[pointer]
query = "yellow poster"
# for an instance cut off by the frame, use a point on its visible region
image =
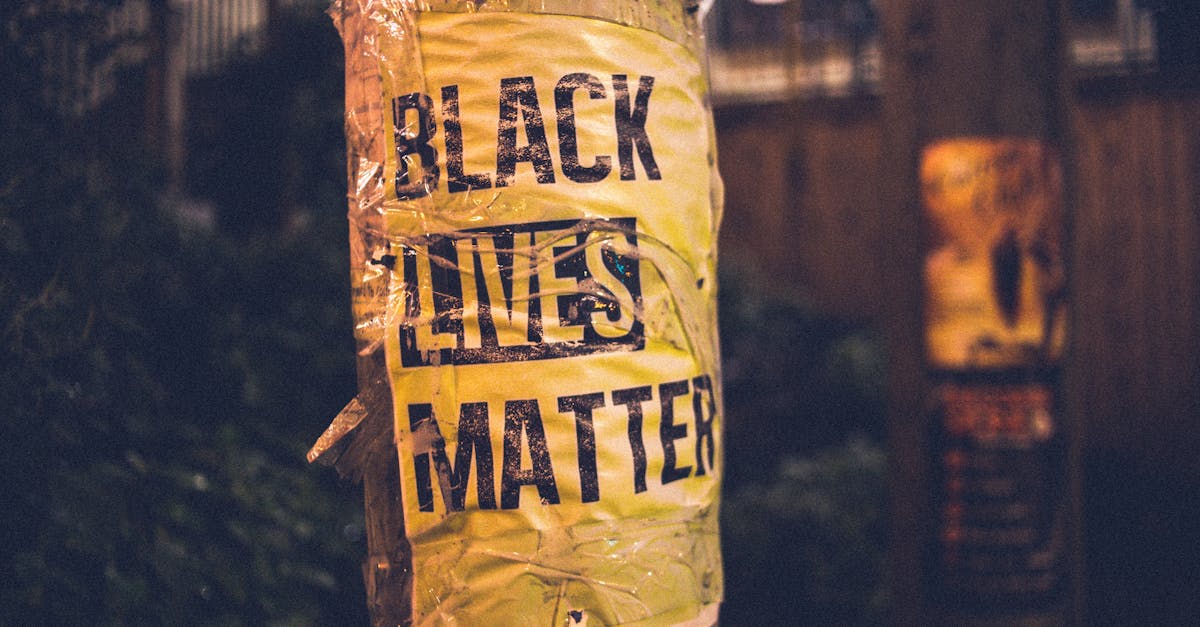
(994, 274)
(550, 323)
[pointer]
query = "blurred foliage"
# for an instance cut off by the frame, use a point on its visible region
(165, 363)
(807, 546)
(266, 141)
(160, 385)
(803, 528)
(796, 380)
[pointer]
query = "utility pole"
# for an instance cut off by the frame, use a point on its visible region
(576, 547)
(998, 544)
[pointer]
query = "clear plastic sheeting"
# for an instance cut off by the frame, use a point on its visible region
(534, 208)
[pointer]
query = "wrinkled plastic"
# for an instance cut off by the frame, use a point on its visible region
(627, 259)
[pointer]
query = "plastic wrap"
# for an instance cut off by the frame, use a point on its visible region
(534, 204)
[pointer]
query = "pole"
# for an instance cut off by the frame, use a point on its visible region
(990, 72)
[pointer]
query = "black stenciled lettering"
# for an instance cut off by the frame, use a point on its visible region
(409, 143)
(447, 291)
(517, 95)
(668, 431)
(482, 264)
(488, 337)
(412, 307)
(473, 438)
(632, 399)
(568, 141)
(523, 417)
(631, 127)
(627, 279)
(704, 398)
(534, 334)
(570, 263)
(500, 303)
(456, 180)
(585, 438)
(425, 431)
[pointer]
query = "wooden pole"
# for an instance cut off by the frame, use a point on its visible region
(954, 69)
(361, 445)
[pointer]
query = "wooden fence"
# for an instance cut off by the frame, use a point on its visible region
(804, 205)
(215, 31)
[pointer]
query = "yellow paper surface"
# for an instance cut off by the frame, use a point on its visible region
(550, 322)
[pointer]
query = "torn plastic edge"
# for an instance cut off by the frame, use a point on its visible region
(362, 427)
(332, 443)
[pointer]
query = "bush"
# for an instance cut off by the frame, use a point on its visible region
(160, 386)
(803, 533)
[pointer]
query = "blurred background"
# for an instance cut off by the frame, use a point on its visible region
(175, 325)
